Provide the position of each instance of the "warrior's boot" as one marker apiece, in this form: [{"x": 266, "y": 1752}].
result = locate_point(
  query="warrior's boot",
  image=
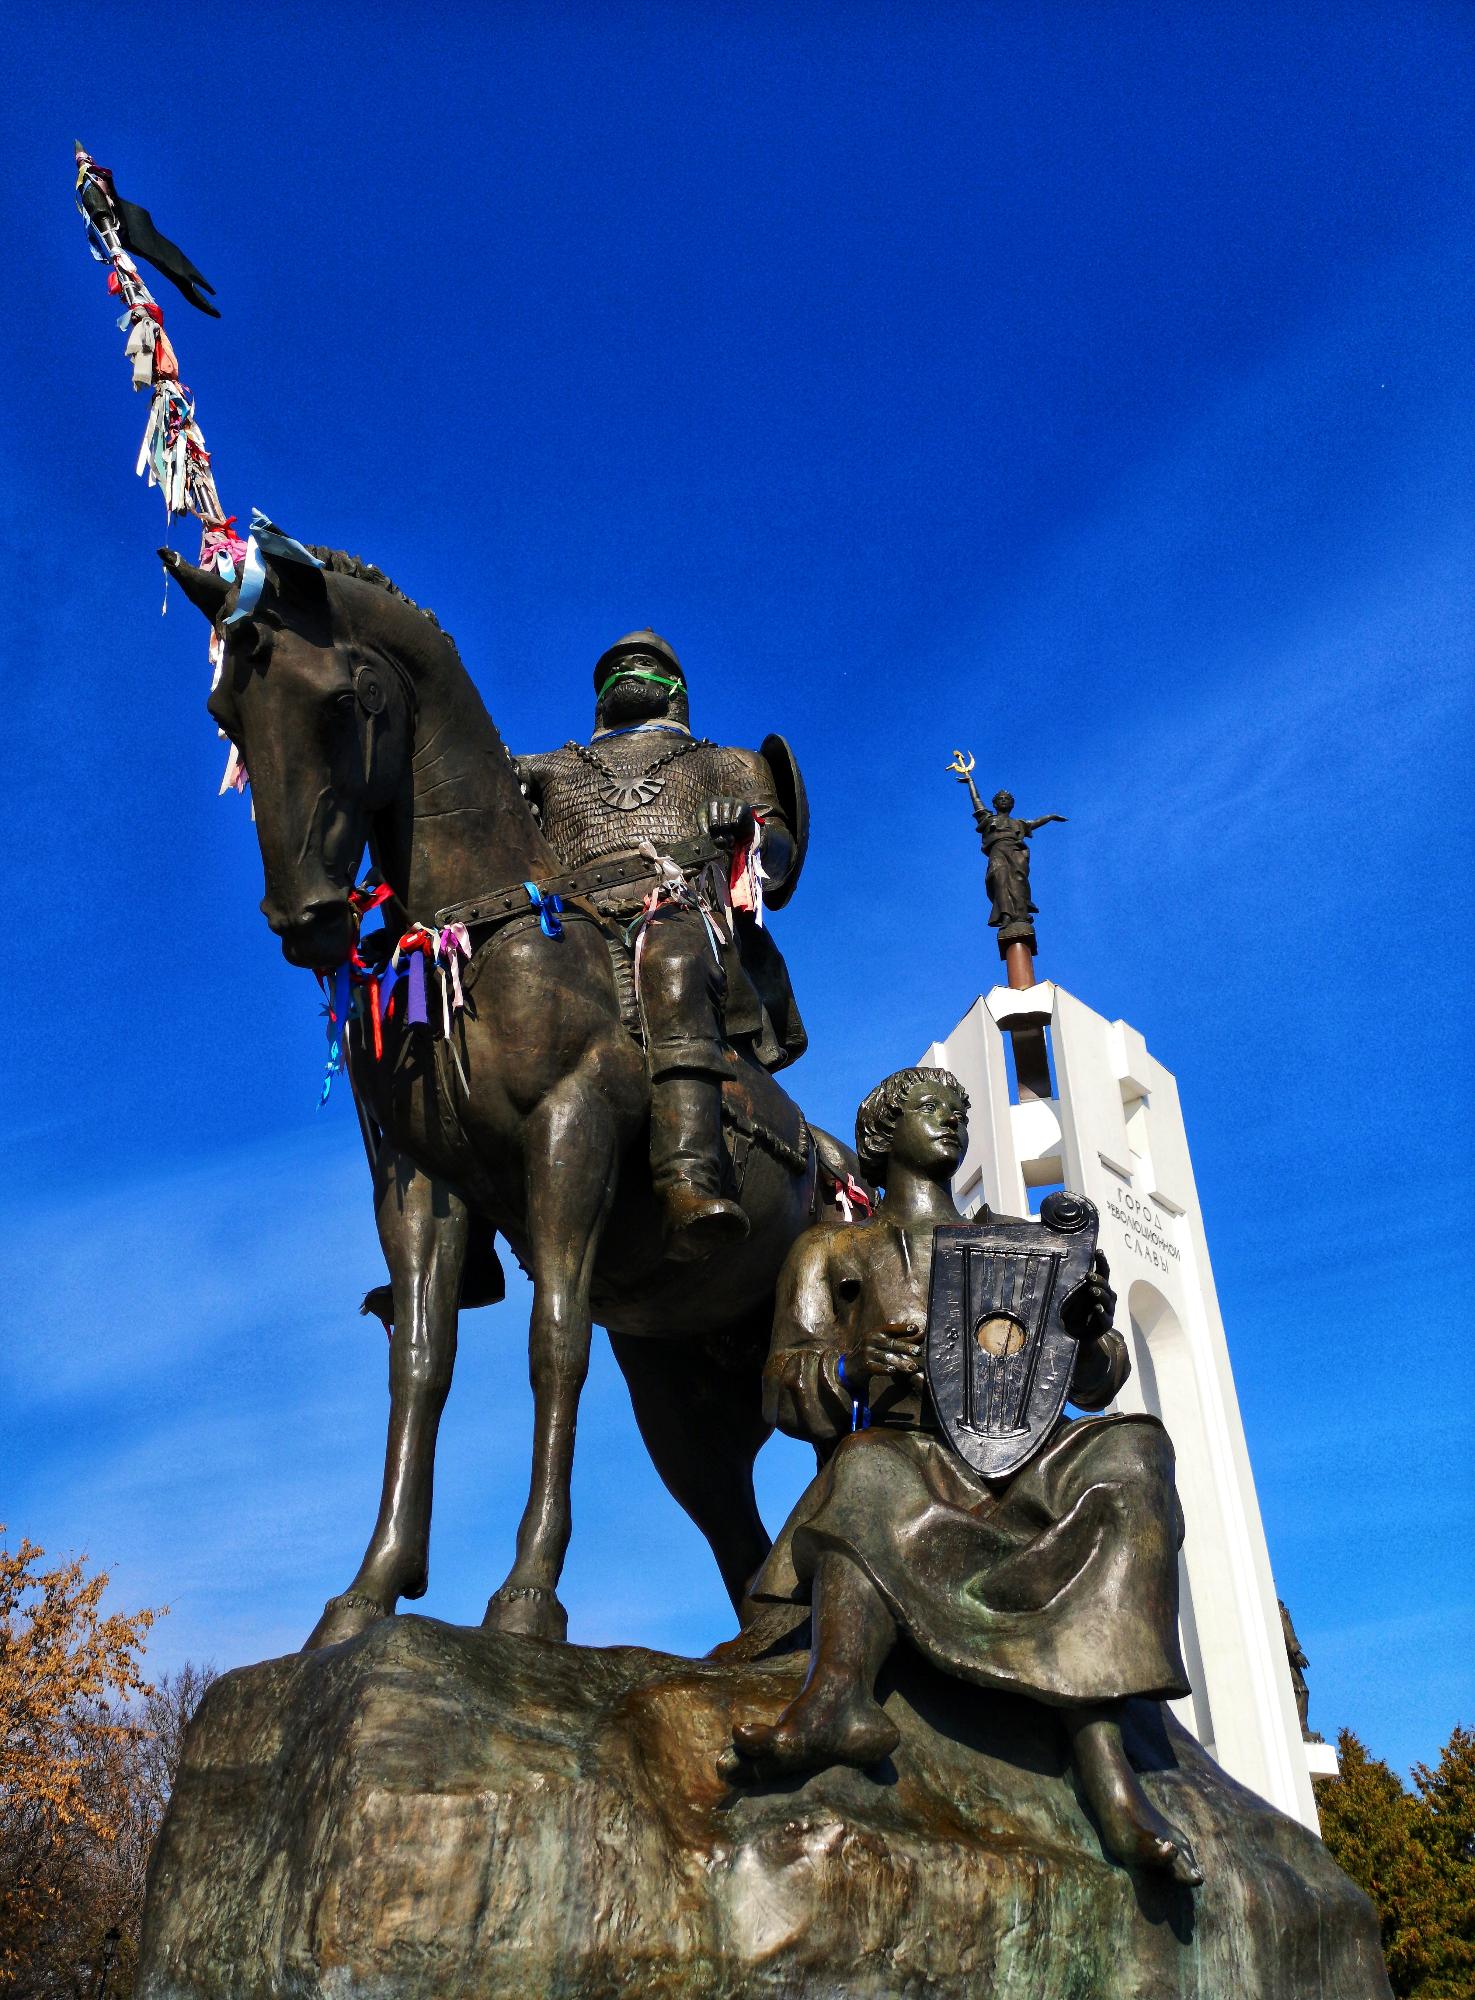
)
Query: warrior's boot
[{"x": 685, "y": 1164}]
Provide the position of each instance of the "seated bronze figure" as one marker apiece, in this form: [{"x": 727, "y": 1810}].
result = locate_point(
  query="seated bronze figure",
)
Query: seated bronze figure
[{"x": 1059, "y": 1582}]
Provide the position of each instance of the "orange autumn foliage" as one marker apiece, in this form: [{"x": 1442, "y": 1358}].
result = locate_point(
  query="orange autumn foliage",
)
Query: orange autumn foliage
[{"x": 67, "y": 1675}]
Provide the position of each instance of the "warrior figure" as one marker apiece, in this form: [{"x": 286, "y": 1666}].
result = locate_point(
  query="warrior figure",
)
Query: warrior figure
[
  {"x": 1059, "y": 1582},
  {"x": 1003, "y": 838},
  {"x": 706, "y": 975}
]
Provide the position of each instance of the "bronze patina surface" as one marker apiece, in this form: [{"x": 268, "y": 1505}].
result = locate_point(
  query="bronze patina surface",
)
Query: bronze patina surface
[
  {"x": 1059, "y": 1581},
  {"x": 358, "y": 723},
  {"x": 1004, "y": 839},
  {"x": 435, "y": 1813},
  {"x": 935, "y": 1759}
]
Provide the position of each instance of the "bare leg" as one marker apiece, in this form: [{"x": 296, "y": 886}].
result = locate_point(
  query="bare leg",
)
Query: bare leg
[
  {"x": 571, "y": 1154},
  {"x": 1132, "y": 1830},
  {"x": 423, "y": 1229},
  {"x": 835, "y": 1718},
  {"x": 703, "y": 1426}
]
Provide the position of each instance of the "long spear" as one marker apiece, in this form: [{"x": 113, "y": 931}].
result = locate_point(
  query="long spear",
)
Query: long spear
[{"x": 173, "y": 455}]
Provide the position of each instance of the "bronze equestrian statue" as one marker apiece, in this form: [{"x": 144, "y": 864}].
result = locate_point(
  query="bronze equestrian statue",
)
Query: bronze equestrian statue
[
  {"x": 644, "y": 777},
  {"x": 357, "y": 722},
  {"x": 1059, "y": 1581}
]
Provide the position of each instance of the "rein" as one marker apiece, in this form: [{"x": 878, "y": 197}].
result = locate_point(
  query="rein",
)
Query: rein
[
  {"x": 429, "y": 955},
  {"x": 497, "y": 905}
]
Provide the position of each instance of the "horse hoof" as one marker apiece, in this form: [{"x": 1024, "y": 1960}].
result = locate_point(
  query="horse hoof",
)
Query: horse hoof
[
  {"x": 344, "y": 1618},
  {"x": 527, "y": 1611}
]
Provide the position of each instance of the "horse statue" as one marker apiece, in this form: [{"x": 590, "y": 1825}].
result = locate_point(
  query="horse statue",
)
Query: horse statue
[{"x": 358, "y": 723}]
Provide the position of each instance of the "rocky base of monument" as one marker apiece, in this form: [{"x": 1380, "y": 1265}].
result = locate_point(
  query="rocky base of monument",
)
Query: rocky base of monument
[{"x": 434, "y": 1811}]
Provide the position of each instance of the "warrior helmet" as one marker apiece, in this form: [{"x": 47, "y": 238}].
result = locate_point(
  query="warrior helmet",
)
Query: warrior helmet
[{"x": 648, "y": 643}]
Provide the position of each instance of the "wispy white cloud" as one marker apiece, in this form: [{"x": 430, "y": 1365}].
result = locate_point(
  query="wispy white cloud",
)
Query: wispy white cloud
[
  {"x": 198, "y": 1404},
  {"x": 1385, "y": 1677},
  {"x": 150, "y": 1271},
  {"x": 193, "y": 1378}
]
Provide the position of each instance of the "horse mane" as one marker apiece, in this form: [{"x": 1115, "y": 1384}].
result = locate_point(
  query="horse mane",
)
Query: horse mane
[{"x": 343, "y": 564}]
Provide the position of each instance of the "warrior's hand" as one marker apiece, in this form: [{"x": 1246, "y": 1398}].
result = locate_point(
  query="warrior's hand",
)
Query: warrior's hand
[
  {"x": 729, "y": 821},
  {"x": 1089, "y": 1311},
  {"x": 892, "y": 1349}
]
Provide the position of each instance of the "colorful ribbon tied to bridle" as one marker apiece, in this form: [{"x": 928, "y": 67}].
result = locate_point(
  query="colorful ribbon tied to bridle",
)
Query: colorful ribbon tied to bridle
[
  {"x": 370, "y": 983},
  {"x": 337, "y": 1011},
  {"x": 547, "y": 909},
  {"x": 421, "y": 952},
  {"x": 411, "y": 953}
]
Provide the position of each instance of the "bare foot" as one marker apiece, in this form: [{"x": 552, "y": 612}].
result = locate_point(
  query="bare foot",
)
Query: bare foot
[
  {"x": 1135, "y": 1833},
  {"x": 819, "y": 1727},
  {"x": 1132, "y": 1830}
]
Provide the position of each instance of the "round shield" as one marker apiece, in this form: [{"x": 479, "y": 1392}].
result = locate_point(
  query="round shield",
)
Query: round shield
[{"x": 792, "y": 797}]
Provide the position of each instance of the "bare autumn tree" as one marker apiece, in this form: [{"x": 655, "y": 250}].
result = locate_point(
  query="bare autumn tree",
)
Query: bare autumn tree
[{"x": 149, "y": 1763}]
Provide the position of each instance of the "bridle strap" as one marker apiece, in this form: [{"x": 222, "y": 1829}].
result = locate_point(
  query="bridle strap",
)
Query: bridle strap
[{"x": 615, "y": 871}]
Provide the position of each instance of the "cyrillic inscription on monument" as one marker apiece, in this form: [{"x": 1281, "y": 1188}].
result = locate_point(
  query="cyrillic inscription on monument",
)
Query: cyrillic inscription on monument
[{"x": 1144, "y": 1229}]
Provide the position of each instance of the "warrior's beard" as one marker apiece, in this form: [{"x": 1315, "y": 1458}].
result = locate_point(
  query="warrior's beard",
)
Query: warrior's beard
[{"x": 631, "y": 700}]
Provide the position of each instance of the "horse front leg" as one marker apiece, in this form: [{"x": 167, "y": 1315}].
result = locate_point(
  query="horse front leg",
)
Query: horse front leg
[
  {"x": 572, "y": 1156},
  {"x": 423, "y": 1229}
]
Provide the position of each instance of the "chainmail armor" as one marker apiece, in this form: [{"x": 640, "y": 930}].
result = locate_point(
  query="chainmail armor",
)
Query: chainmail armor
[{"x": 580, "y": 827}]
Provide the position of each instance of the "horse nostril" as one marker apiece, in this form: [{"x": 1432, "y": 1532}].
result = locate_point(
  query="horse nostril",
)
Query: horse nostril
[{"x": 303, "y": 922}]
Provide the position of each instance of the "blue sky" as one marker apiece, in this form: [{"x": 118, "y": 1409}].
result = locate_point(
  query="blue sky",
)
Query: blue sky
[{"x": 1088, "y": 386}]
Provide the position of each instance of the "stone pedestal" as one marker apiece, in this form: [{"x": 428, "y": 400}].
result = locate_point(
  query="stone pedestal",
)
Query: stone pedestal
[{"x": 433, "y": 1811}]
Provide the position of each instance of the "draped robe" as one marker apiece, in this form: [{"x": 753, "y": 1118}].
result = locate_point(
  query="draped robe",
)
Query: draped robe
[{"x": 1059, "y": 1582}]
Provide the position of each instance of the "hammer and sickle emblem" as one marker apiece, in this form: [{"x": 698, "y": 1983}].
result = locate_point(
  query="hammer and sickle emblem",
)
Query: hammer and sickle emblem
[{"x": 962, "y": 763}]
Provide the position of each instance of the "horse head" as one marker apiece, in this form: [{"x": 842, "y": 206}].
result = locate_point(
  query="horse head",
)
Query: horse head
[{"x": 322, "y": 714}]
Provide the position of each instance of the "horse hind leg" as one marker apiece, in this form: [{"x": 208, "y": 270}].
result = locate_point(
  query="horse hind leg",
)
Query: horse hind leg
[
  {"x": 423, "y": 1229},
  {"x": 699, "y": 1407}
]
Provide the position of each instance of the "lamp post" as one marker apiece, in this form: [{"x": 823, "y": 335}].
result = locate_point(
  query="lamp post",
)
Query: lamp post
[{"x": 111, "y": 1939}]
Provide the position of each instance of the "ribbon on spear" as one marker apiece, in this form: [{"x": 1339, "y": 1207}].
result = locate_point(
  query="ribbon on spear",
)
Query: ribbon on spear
[{"x": 173, "y": 454}]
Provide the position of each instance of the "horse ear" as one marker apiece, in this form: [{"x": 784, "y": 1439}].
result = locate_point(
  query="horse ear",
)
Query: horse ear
[{"x": 203, "y": 587}]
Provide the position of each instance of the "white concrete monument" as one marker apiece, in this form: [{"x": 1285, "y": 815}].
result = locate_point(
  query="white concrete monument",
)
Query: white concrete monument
[{"x": 1113, "y": 1130}]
